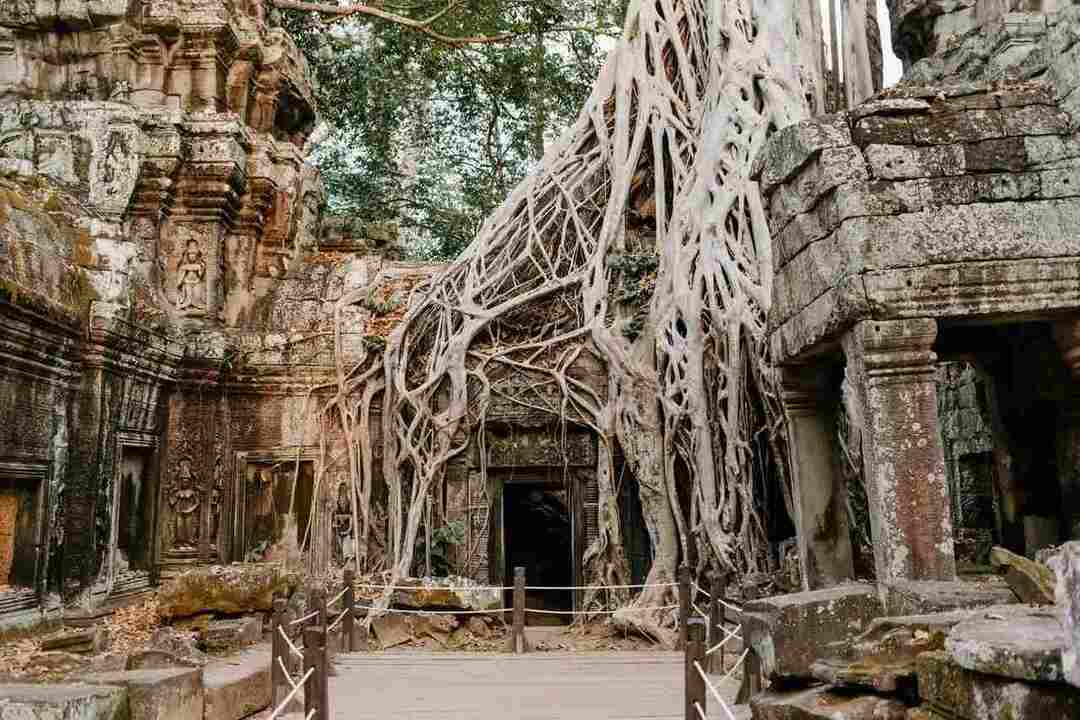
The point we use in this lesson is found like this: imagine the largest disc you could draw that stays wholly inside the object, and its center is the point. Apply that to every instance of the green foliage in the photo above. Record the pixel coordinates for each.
(635, 282)
(442, 539)
(434, 136)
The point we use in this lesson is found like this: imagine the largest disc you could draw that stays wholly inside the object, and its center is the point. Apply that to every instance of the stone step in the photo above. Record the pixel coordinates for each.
(158, 694)
(85, 702)
(953, 692)
(239, 685)
(824, 703)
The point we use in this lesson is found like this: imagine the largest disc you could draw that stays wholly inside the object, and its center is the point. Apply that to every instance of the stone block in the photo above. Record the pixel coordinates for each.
(883, 130)
(62, 702)
(792, 147)
(1032, 582)
(789, 631)
(231, 634)
(239, 686)
(954, 692)
(1050, 150)
(883, 658)
(923, 597)
(822, 703)
(961, 127)
(996, 155)
(900, 162)
(230, 589)
(1066, 565)
(1021, 645)
(831, 168)
(168, 694)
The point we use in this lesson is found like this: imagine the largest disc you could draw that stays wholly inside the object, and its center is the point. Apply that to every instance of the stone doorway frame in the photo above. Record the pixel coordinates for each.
(152, 500)
(40, 472)
(241, 459)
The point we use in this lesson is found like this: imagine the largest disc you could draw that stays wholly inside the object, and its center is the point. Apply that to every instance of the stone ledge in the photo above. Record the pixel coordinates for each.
(163, 694)
(85, 702)
(238, 686)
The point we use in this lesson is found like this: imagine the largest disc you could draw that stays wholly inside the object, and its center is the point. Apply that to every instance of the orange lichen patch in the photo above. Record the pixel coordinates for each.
(388, 304)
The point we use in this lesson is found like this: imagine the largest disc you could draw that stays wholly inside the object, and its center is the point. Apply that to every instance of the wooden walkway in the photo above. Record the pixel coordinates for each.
(536, 686)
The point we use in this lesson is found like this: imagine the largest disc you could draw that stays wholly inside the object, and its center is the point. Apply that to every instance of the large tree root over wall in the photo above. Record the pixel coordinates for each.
(656, 166)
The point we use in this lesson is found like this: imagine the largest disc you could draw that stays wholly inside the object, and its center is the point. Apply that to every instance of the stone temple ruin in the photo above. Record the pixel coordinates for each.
(171, 296)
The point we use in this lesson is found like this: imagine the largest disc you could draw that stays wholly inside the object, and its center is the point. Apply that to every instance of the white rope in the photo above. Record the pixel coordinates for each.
(367, 586)
(293, 648)
(338, 596)
(400, 611)
(712, 690)
(729, 635)
(729, 606)
(600, 612)
(311, 714)
(735, 667)
(700, 590)
(726, 604)
(307, 617)
(296, 688)
(339, 619)
(511, 587)
(596, 587)
(698, 611)
(700, 712)
(285, 672)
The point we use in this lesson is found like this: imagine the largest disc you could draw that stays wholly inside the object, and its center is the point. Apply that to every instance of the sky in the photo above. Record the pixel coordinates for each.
(892, 67)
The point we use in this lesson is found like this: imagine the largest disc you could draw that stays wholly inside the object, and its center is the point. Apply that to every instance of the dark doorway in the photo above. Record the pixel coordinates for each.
(536, 525)
(131, 507)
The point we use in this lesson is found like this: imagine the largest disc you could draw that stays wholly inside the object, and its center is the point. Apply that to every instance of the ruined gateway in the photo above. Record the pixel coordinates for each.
(174, 304)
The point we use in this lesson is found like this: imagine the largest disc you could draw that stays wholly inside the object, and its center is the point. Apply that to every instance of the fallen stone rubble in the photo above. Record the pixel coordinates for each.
(958, 651)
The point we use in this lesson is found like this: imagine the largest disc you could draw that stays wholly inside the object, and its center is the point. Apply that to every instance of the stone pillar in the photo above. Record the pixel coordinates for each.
(819, 495)
(891, 365)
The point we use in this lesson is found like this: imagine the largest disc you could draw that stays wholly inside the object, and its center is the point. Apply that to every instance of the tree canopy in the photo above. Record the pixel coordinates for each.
(433, 132)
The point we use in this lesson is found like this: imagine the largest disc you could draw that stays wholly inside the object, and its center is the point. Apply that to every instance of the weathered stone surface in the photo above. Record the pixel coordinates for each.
(169, 694)
(1032, 582)
(955, 692)
(831, 168)
(900, 162)
(170, 646)
(921, 597)
(231, 634)
(62, 702)
(788, 631)
(89, 640)
(1025, 646)
(822, 703)
(883, 658)
(230, 589)
(1066, 565)
(446, 593)
(792, 147)
(238, 686)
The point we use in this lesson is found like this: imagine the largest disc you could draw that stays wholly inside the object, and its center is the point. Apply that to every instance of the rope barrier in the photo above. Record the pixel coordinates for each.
(729, 606)
(734, 667)
(285, 672)
(340, 617)
(307, 617)
(292, 648)
(700, 712)
(311, 714)
(511, 587)
(401, 611)
(712, 690)
(338, 596)
(600, 612)
(698, 610)
(288, 698)
(729, 634)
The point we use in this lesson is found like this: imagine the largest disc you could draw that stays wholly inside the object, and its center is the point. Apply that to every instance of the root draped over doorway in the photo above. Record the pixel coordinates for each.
(639, 247)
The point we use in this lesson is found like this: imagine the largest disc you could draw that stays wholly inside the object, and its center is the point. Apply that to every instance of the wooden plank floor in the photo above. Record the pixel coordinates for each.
(536, 686)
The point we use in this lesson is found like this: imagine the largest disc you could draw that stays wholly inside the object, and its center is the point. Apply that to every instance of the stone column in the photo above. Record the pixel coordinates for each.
(891, 365)
(819, 495)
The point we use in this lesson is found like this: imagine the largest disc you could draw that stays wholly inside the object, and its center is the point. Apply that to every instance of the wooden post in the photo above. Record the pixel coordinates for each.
(278, 649)
(517, 632)
(695, 656)
(316, 687)
(348, 622)
(683, 576)
(716, 623)
(319, 604)
(751, 680)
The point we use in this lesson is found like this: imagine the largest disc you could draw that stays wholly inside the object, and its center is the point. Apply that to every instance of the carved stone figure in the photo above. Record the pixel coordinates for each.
(189, 282)
(184, 501)
(267, 87)
(237, 84)
(343, 525)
